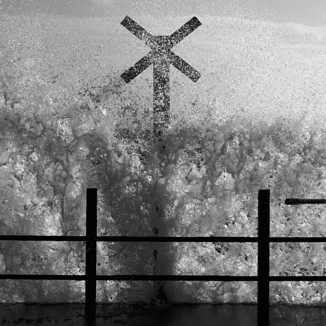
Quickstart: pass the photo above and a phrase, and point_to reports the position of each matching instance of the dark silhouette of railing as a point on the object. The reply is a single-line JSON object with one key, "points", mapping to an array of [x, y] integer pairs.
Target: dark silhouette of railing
{"points": [[91, 239]]}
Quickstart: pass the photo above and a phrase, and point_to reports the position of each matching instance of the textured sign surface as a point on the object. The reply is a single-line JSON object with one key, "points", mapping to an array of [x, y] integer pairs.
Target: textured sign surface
{"points": [[161, 57]]}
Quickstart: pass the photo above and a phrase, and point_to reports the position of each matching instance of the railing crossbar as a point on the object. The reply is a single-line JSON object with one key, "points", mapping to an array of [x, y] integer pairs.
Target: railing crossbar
{"points": [[131, 277], [298, 201], [127, 238]]}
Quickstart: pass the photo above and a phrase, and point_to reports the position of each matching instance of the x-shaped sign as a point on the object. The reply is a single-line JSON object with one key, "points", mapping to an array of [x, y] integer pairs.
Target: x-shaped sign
{"points": [[161, 57]]}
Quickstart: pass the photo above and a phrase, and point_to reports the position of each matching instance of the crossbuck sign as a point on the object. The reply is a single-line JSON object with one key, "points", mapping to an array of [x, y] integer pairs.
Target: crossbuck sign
{"points": [[161, 57]]}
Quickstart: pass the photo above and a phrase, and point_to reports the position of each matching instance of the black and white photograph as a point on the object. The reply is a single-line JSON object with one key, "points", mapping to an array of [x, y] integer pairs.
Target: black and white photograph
{"points": [[162, 162]]}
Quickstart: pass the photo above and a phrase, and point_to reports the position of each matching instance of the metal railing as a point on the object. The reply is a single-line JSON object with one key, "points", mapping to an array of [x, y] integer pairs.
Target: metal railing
{"points": [[91, 239]]}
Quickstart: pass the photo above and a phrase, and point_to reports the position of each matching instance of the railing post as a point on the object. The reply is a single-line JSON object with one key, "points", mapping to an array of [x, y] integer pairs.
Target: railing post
{"points": [[263, 257], [91, 233]]}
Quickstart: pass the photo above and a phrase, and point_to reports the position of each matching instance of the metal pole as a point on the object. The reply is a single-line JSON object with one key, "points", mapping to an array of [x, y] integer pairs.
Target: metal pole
{"points": [[91, 232], [263, 257]]}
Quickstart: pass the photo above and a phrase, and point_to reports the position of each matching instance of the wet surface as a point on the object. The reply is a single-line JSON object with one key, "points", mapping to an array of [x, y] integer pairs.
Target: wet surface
{"points": [[297, 316], [176, 315]]}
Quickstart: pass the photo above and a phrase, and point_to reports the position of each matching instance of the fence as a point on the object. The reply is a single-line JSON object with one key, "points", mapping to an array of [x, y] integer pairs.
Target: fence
{"points": [[91, 239]]}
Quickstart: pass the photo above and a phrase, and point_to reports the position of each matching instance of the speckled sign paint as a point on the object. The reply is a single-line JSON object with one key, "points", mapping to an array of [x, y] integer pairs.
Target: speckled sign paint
{"points": [[161, 57]]}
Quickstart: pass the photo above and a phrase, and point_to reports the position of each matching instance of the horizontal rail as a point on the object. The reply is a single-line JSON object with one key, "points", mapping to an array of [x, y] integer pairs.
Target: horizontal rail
{"points": [[157, 239], [42, 238], [176, 278], [297, 239], [41, 277], [298, 201], [176, 239]]}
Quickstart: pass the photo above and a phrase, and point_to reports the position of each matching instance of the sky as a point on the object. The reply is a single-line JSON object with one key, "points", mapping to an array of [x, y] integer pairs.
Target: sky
{"points": [[307, 12]]}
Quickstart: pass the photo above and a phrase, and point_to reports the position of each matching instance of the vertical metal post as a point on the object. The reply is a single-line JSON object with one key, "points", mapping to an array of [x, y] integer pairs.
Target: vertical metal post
{"points": [[161, 95], [263, 257], [161, 108], [91, 233]]}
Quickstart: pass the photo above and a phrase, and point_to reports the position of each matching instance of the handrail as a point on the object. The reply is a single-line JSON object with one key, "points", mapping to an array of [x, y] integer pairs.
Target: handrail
{"points": [[90, 277]]}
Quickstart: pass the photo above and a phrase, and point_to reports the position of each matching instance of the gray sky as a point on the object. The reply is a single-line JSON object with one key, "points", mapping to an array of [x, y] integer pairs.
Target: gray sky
{"points": [[309, 12]]}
